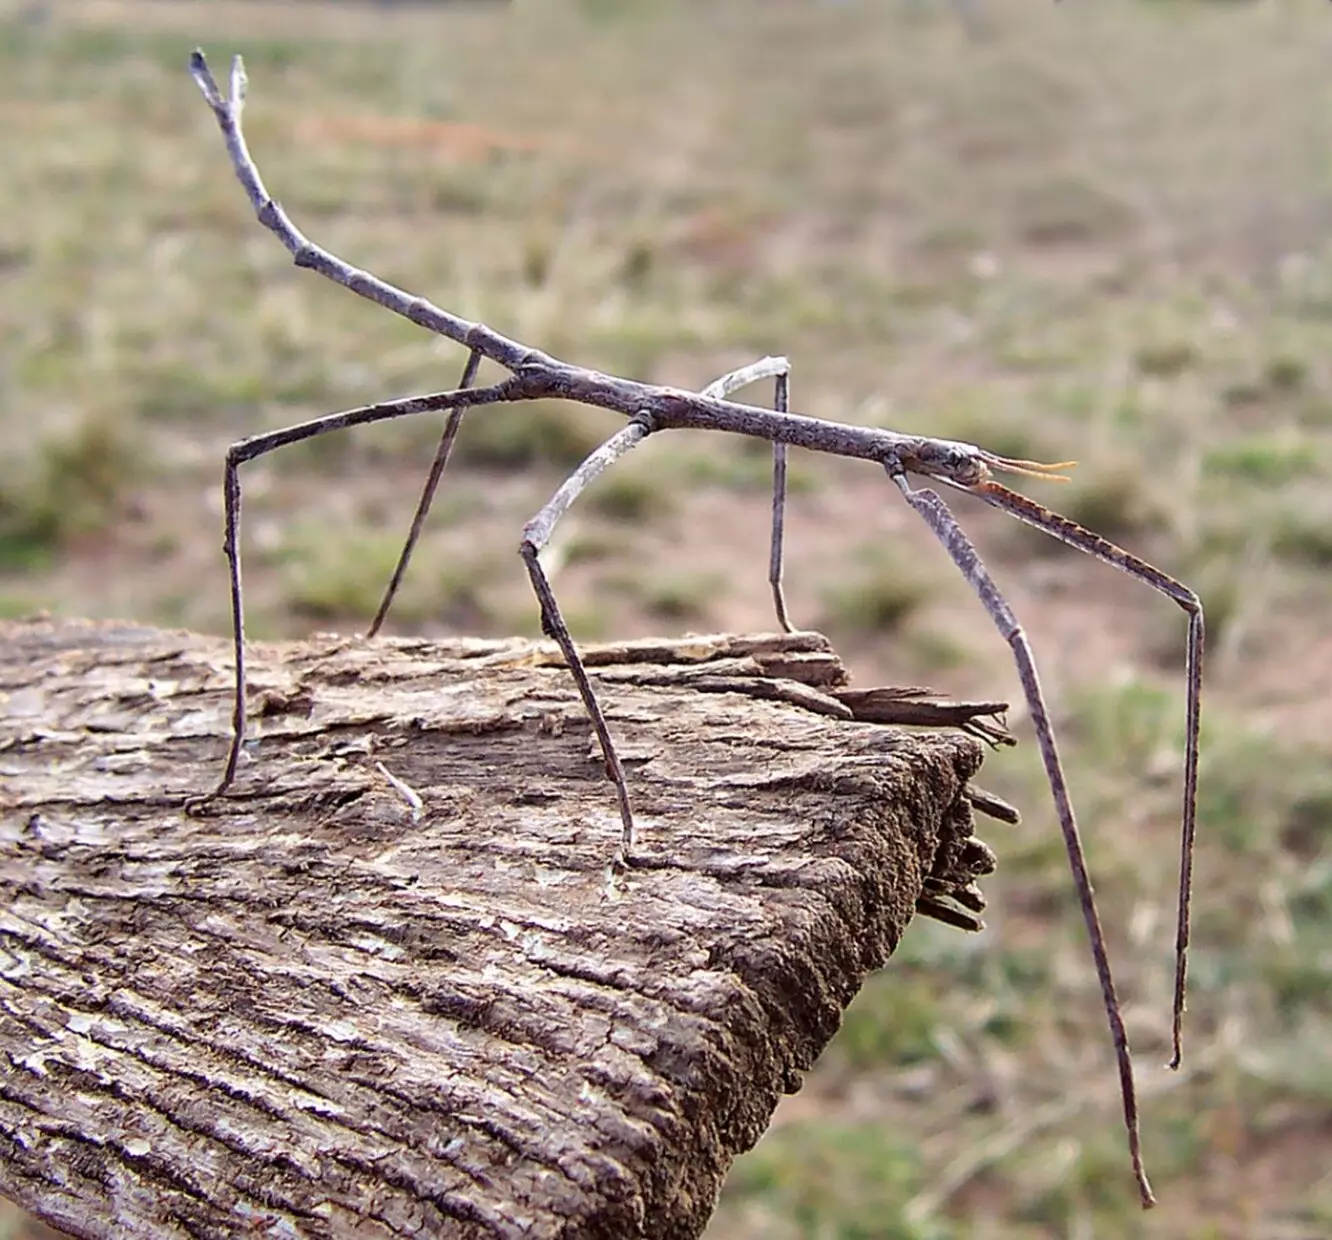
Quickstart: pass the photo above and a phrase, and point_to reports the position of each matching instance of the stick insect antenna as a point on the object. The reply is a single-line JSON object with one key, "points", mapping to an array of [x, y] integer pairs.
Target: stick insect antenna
{"points": [[451, 427], [964, 554]]}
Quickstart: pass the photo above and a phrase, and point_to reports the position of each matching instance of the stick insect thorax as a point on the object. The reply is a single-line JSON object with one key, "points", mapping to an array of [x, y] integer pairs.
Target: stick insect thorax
{"points": [[960, 464]]}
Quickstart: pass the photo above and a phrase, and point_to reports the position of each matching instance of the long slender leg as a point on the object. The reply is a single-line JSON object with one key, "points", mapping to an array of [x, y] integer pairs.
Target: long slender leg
{"points": [[945, 527], [451, 427], [260, 445], [781, 403], [536, 534], [778, 369], [1082, 539]]}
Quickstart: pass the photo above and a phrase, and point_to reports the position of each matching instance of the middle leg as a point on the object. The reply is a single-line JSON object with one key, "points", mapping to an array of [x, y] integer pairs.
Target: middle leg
{"points": [[536, 534], [778, 369]]}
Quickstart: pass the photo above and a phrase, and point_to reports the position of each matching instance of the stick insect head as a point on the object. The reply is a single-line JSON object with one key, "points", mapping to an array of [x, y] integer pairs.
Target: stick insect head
{"points": [[966, 466]]}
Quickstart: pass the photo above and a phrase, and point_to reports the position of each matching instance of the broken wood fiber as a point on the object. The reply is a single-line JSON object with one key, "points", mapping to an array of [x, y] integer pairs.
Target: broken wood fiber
{"points": [[386, 988]]}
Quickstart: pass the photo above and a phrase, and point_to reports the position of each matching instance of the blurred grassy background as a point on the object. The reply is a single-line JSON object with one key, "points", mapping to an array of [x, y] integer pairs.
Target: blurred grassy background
{"points": [[1097, 231]]}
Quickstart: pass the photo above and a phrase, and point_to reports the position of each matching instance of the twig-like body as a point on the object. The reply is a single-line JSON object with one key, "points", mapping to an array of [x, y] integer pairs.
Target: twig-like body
{"points": [[536, 375]]}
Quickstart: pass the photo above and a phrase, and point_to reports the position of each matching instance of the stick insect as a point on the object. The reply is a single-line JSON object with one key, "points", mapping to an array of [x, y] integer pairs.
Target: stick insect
{"points": [[651, 408]]}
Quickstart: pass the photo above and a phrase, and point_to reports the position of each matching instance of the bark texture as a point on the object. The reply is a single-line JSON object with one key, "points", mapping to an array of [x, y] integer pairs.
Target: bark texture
{"points": [[388, 986]]}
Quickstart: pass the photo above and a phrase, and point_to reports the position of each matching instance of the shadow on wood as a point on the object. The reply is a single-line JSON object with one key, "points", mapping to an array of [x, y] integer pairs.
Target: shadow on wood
{"points": [[388, 986]]}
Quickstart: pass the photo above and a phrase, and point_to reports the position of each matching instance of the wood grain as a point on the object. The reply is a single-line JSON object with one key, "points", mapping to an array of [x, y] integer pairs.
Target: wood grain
{"points": [[389, 987]]}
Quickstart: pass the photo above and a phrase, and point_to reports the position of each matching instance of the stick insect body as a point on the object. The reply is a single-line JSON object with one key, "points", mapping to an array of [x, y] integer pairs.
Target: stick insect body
{"points": [[650, 408]]}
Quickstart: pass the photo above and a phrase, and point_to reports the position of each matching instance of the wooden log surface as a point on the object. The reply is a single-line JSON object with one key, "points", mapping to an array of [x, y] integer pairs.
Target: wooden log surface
{"points": [[390, 986]]}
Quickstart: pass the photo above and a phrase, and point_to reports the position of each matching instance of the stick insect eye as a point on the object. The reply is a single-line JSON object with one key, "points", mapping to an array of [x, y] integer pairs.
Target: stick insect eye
{"points": [[963, 465]]}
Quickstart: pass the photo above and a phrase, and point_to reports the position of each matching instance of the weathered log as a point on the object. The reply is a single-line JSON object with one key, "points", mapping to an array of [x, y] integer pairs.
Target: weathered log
{"points": [[389, 986]]}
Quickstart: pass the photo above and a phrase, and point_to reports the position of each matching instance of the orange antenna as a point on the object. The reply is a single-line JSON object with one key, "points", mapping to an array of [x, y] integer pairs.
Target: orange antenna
{"points": [[1033, 469]]}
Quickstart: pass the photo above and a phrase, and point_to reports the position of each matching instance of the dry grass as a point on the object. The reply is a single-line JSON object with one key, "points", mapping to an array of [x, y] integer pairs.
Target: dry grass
{"points": [[1097, 231]]}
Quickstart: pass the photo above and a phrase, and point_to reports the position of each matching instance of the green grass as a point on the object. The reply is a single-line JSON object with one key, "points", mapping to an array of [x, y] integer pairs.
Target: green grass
{"points": [[74, 485], [681, 599], [1096, 232], [877, 596], [332, 573], [539, 436], [632, 496], [858, 1176]]}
